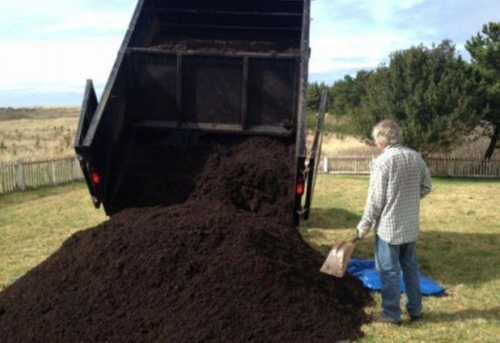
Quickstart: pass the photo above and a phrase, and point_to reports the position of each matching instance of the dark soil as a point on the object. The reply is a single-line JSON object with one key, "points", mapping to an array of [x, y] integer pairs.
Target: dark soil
{"points": [[224, 266], [256, 175], [228, 46]]}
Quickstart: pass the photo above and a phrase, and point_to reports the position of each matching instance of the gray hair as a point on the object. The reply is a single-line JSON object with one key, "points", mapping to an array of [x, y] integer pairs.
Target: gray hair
{"points": [[387, 132]]}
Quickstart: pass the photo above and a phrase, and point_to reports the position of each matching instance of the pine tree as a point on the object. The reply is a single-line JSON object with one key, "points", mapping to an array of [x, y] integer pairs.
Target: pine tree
{"points": [[484, 49], [431, 92], [314, 95]]}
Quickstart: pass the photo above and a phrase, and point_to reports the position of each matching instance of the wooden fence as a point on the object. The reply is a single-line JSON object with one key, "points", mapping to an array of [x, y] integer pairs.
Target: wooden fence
{"points": [[438, 167], [20, 176]]}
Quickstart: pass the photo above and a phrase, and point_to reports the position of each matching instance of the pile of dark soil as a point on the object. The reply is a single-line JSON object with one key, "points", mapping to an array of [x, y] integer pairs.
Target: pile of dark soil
{"points": [[256, 175], [224, 266]]}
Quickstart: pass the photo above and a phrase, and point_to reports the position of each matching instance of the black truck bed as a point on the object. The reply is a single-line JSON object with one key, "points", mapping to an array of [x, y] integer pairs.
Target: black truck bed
{"points": [[194, 68]]}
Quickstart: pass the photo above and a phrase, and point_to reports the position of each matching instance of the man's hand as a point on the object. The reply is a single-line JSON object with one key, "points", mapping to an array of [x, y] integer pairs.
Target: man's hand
{"points": [[361, 231]]}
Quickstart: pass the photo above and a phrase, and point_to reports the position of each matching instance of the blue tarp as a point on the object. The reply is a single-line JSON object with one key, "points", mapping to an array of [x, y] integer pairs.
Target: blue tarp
{"points": [[365, 271]]}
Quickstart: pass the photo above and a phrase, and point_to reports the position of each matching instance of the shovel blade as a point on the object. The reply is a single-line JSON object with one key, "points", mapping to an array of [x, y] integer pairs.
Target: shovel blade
{"points": [[338, 259]]}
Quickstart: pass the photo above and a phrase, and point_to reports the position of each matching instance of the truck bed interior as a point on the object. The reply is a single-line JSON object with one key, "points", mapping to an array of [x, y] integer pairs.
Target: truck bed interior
{"points": [[195, 68]]}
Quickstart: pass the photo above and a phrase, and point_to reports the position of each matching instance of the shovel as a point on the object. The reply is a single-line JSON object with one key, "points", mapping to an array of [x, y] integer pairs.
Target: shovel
{"points": [[339, 257]]}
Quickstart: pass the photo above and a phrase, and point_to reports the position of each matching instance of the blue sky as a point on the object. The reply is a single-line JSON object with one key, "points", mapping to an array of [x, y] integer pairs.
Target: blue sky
{"points": [[49, 48]]}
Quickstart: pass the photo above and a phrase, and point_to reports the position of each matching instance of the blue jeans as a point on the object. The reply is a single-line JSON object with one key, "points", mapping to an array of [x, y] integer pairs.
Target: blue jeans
{"points": [[390, 260]]}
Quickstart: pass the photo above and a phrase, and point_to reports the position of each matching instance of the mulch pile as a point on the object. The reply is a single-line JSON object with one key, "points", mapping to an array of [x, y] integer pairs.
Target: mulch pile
{"points": [[224, 266]]}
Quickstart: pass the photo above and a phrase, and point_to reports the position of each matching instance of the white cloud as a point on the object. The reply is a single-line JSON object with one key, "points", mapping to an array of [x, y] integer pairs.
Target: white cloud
{"points": [[54, 45], [408, 4], [57, 45], [88, 20], [340, 44], [385, 10], [56, 65]]}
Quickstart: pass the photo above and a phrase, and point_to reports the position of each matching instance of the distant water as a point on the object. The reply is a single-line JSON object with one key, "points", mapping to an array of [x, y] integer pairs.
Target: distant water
{"points": [[33, 99]]}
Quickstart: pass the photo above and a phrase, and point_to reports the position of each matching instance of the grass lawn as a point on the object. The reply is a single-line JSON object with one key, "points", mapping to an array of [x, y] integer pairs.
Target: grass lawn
{"points": [[34, 224], [458, 247]]}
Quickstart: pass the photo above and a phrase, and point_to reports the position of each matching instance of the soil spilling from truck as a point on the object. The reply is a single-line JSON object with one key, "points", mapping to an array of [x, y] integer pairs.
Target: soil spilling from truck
{"points": [[226, 265], [255, 175]]}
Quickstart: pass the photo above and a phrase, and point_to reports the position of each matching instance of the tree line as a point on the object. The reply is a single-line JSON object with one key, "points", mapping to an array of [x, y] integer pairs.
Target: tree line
{"points": [[438, 98]]}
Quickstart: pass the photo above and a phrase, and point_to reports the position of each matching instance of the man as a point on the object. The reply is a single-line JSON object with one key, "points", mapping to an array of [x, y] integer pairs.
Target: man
{"points": [[399, 179]]}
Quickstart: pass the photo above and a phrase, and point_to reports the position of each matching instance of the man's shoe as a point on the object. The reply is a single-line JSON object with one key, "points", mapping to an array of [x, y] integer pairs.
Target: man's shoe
{"points": [[416, 318], [387, 320]]}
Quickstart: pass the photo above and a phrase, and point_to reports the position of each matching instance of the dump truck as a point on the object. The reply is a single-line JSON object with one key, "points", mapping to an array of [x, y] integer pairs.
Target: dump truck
{"points": [[194, 67]]}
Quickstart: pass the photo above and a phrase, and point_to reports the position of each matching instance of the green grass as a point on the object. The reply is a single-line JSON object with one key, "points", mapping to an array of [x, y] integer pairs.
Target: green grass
{"points": [[34, 224], [458, 247]]}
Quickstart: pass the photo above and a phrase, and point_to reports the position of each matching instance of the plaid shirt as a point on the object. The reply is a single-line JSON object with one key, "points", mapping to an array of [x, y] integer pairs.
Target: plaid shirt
{"points": [[399, 179]]}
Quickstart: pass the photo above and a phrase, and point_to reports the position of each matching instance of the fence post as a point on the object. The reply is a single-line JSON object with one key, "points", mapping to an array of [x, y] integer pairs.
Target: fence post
{"points": [[20, 177], [325, 165], [53, 172], [450, 167], [74, 163], [79, 171], [2, 187]]}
